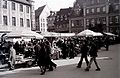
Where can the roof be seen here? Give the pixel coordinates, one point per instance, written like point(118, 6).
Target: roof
point(64, 11)
point(39, 11)
point(24, 1)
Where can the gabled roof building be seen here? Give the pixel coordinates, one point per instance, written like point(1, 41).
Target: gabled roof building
point(41, 15)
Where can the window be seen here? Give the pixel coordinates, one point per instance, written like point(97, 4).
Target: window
point(93, 10)
point(61, 17)
point(87, 11)
point(41, 25)
point(27, 9)
point(104, 9)
point(93, 22)
point(116, 7)
point(87, 22)
point(98, 21)
point(13, 21)
point(21, 8)
point(104, 20)
point(72, 22)
point(13, 6)
point(116, 19)
point(92, 1)
point(43, 20)
point(28, 23)
point(98, 1)
point(21, 22)
point(110, 20)
point(5, 4)
point(65, 17)
point(98, 9)
point(5, 20)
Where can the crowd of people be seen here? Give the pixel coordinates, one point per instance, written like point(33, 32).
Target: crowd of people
point(43, 51)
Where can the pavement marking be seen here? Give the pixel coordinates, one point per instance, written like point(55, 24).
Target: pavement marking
point(104, 58)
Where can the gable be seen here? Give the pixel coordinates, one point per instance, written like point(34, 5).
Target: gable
point(39, 11)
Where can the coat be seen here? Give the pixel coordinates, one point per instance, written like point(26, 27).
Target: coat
point(93, 50)
point(12, 57)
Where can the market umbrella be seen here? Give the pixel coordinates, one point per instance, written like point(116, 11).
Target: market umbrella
point(50, 34)
point(109, 34)
point(97, 34)
point(86, 33)
point(24, 33)
point(66, 34)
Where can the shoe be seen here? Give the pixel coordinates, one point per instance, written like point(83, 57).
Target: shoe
point(78, 66)
point(98, 69)
point(55, 66)
point(86, 69)
point(42, 73)
point(51, 69)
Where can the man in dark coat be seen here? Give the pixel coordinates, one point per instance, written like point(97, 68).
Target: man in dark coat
point(93, 54)
point(41, 56)
point(84, 52)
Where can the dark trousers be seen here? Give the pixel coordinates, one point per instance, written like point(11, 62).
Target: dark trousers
point(81, 59)
point(91, 60)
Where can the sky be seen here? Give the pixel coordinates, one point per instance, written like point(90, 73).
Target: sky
point(54, 5)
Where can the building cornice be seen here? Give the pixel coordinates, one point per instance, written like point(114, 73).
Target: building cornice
point(22, 2)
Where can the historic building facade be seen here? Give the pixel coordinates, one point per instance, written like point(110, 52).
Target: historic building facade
point(41, 15)
point(16, 15)
point(62, 20)
point(50, 21)
point(98, 15)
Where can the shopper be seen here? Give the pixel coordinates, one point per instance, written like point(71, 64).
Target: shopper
point(93, 54)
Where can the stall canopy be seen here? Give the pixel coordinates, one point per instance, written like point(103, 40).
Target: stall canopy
point(97, 34)
point(50, 34)
point(54, 34)
point(89, 33)
point(24, 33)
point(66, 34)
point(109, 34)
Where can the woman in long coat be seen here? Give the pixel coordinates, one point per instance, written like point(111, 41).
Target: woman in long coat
point(41, 56)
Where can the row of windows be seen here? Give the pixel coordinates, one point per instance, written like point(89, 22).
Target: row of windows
point(100, 1)
point(42, 25)
point(61, 18)
point(14, 6)
point(5, 21)
point(98, 9)
point(42, 20)
point(77, 23)
point(62, 26)
point(112, 19)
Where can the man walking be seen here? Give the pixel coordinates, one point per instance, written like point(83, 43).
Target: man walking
point(93, 54)
point(84, 52)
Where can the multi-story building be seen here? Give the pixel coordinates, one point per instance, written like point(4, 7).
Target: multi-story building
point(50, 21)
point(15, 15)
point(41, 15)
point(98, 15)
point(62, 20)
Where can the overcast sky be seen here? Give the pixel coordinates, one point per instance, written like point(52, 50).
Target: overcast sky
point(54, 5)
